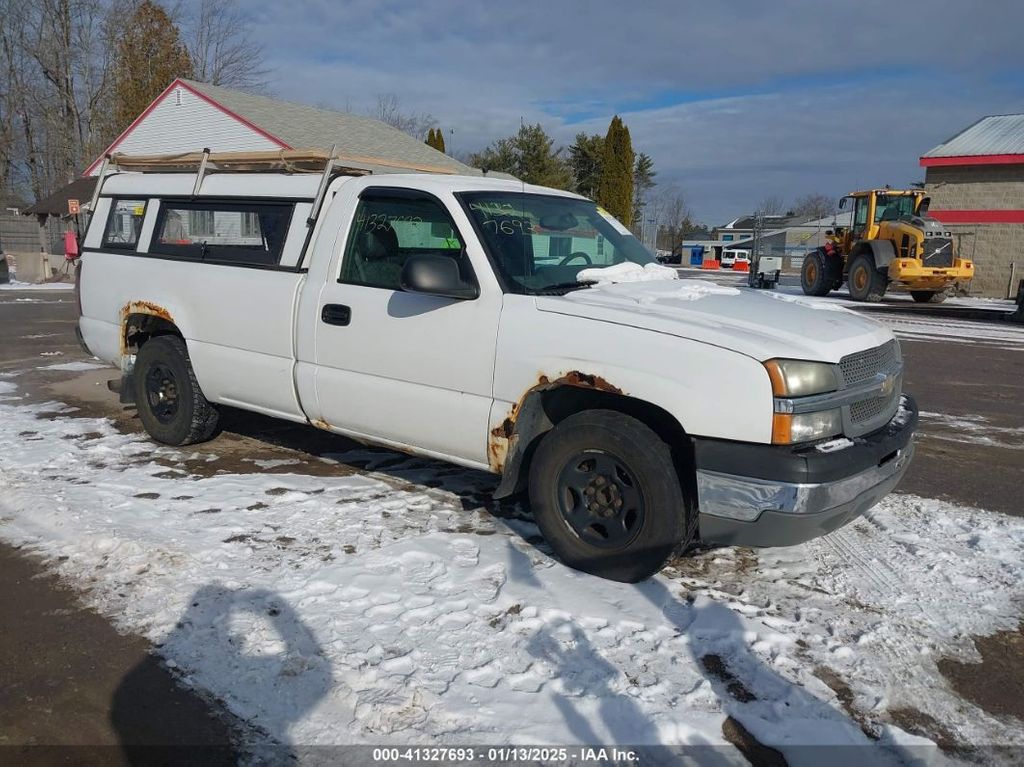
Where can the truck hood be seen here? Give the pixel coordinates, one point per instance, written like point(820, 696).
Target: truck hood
point(761, 324)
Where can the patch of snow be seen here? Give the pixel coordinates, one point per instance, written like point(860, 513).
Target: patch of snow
point(690, 290)
point(272, 463)
point(370, 607)
point(835, 445)
point(76, 366)
point(970, 429)
point(15, 285)
point(626, 272)
point(51, 354)
point(811, 302)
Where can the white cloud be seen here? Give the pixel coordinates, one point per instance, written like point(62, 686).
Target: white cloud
point(734, 101)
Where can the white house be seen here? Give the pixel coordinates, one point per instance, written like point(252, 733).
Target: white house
point(190, 116)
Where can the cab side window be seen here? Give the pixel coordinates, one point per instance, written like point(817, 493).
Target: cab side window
point(124, 224)
point(860, 213)
point(388, 228)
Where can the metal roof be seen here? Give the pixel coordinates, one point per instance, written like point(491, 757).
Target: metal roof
point(992, 135)
point(57, 203)
point(302, 126)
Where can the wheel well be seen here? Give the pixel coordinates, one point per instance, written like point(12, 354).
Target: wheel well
point(543, 409)
point(880, 252)
point(140, 327)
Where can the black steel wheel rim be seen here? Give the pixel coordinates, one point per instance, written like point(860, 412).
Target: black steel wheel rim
point(600, 499)
point(162, 392)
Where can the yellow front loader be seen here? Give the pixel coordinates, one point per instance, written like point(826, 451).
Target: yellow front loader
point(892, 242)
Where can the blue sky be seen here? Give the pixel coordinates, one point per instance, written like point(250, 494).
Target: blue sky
point(735, 101)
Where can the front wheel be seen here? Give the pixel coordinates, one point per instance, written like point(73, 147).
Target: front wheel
point(865, 281)
point(605, 494)
point(928, 296)
point(171, 405)
point(816, 278)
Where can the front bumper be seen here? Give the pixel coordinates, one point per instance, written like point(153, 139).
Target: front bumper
point(912, 270)
point(766, 495)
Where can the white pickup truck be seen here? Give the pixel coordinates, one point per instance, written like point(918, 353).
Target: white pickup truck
point(504, 327)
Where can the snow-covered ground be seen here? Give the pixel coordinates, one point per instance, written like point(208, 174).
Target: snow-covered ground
point(387, 605)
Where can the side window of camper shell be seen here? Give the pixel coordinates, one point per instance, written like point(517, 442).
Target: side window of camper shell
point(228, 232)
point(124, 223)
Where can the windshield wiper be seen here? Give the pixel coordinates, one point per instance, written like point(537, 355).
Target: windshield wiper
point(561, 288)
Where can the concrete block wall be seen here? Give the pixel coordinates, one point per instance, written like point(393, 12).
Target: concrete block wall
point(997, 249)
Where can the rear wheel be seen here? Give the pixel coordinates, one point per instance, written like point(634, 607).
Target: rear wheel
point(171, 405)
point(605, 493)
point(865, 281)
point(928, 296)
point(816, 276)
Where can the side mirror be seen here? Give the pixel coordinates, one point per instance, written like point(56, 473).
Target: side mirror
point(842, 203)
point(436, 276)
point(922, 208)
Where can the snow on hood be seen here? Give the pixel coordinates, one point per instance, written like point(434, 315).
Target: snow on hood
point(745, 320)
point(627, 272)
point(812, 303)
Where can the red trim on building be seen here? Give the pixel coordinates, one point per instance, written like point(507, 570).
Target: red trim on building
point(978, 216)
point(167, 91)
point(981, 159)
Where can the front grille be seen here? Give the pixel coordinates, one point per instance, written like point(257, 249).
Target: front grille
point(937, 252)
point(860, 367)
point(866, 367)
point(869, 409)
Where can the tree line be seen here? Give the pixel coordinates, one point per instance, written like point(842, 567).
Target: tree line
point(602, 167)
point(75, 73)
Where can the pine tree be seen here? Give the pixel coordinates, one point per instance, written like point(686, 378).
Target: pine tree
point(643, 180)
point(586, 159)
point(149, 56)
point(615, 192)
point(431, 140)
point(439, 142)
point(529, 155)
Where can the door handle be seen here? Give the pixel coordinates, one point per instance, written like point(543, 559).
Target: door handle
point(336, 314)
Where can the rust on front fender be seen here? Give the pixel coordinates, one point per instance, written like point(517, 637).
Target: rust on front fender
point(500, 438)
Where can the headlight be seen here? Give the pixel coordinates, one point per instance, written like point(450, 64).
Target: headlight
point(797, 378)
point(790, 429)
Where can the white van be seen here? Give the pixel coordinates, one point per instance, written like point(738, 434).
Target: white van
point(733, 255)
point(508, 328)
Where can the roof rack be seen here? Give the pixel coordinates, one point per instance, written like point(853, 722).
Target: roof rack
point(287, 160)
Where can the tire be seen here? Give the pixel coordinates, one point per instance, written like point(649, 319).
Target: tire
point(637, 514)
point(171, 405)
point(928, 296)
point(866, 283)
point(816, 277)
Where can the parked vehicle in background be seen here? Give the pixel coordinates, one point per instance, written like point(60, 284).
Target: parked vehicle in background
point(504, 327)
point(731, 255)
point(892, 242)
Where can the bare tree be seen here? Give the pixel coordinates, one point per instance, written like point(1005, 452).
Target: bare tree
point(56, 60)
point(772, 205)
point(674, 216)
point(222, 50)
point(814, 205)
point(389, 110)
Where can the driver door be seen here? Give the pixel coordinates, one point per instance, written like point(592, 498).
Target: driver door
point(397, 367)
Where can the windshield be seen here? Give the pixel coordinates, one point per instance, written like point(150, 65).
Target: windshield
point(540, 243)
point(893, 207)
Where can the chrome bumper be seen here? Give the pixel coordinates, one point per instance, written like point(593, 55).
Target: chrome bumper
point(744, 499)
